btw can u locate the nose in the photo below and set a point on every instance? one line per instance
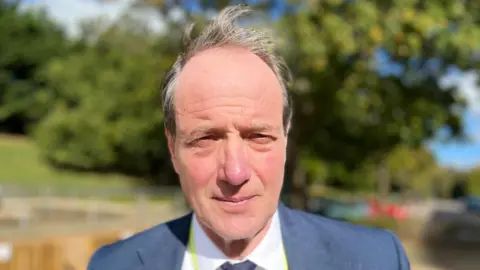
(236, 169)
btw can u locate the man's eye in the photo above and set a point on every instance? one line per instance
(260, 138)
(257, 135)
(206, 138)
(204, 141)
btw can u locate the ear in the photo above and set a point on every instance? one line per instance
(171, 149)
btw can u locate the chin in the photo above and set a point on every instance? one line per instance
(233, 234)
(238, 228)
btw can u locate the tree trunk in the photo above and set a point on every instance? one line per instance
(383, 180)
(295, 185)
(299, 189)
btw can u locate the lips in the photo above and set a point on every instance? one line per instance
(234, 199)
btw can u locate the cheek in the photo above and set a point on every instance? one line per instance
(274, 160)
(270, 166)
(197, 172)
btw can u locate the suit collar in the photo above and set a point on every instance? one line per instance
(167, 249)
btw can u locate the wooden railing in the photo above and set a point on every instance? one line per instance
(58, 253)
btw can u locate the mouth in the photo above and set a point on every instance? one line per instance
(234, 200)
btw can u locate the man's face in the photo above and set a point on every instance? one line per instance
(230, 147)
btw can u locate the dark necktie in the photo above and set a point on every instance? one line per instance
(246, 265)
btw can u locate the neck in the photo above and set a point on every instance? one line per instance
(238, 249)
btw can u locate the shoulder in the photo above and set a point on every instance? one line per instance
(123, 254)
(369, 246)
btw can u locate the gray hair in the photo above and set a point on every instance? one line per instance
(222, 31)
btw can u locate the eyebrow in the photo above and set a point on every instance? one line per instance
(203, 130)
(210, 129)
(261, 127)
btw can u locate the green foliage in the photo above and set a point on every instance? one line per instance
(412, 168)
(348, 113)
(27, 42)
(473, 177)
(106, 112)
(22, 167)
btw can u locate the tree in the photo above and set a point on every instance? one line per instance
(106, 112)
(473, 178)
(460, 188)
(349, 109)
(27, 41)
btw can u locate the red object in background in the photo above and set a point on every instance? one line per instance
(374, 208)
(390, 210)
(396, 211)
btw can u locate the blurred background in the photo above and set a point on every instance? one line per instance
(386, 129)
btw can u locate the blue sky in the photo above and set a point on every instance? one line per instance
(462, 156)
(458, 155)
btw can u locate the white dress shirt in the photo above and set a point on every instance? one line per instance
(268, 255)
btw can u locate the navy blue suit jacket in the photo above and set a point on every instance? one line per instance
(311, 243)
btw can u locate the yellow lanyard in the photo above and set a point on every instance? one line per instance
(196, 266)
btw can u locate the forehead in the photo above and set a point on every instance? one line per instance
(227, 87)
(230, 74)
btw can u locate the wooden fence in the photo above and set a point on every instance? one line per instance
(57, 253)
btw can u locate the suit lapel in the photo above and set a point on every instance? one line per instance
(168, 249)
(305, 247)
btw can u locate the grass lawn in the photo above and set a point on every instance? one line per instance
(20, 165)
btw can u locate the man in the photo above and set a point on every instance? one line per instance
(227, 117)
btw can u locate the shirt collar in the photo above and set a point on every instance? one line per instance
(269, 254)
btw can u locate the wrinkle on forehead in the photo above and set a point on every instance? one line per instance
(237, 104)
(223, 71)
